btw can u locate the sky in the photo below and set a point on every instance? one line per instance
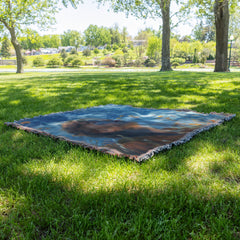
(88, 13)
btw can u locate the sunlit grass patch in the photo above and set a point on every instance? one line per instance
(53, 190)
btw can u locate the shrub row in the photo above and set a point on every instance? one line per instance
(76, 61)
(71, 61)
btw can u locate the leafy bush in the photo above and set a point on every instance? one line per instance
(138, 62)
(203, 59)
(63, 54)
(178, 60)
(76, 62)
(73, 61)
(109, 48)
(153, 49)
(126, 58)
(180, 54)
(97, 62)
(54, 62)
(68, 60)
(105, 52)
(150, 62)
(119, 60)
(38, 62)
(118, 52)
(125, 50)
(74, 51)
(86, 52)
(96, 50)
(115, 46)
(109, 61)
(175, 64)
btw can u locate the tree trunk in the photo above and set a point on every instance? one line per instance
(221, 12)
(17, 48)
(165, 8)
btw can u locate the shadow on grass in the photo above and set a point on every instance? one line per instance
(110, 198)
(43, 206)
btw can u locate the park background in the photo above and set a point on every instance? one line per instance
(93, 36)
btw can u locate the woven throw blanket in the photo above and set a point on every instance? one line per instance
(125, 131)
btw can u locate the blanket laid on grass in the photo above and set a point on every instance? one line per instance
(125, 131)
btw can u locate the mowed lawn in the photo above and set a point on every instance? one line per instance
(53, 190)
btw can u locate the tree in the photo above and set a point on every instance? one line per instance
(15, 15)
(51, 41)
(154, 48)
(5, 49)
(234, 25)
(31, 41)
(115, 35)
(205, 32)
(144, 9)
(124, 35)
(97, 36)
(72, 38)
(221, 10)
(144, 35)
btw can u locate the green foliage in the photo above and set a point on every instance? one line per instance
(205, 33)
(24, 60)
(51, 41)
(154, 48)
(54, 62)
(17, 14)
(119, 60)
(109, 47)
(178, 60)
(54, 190)
(126, 59)
(192, 50)
(73, 61)
(86, 52)
(74, 51)
(115, 47)
(68, 60)
(175, 64)
(97, 36)
(234, 25)
(115, 35)
(5, 49)
(31, 40)
(77, 62)
(109, 62)
(118, 52)
(38, 62)
(125, 50)
(145, 35)
(105, 51)
(96, 50)
(97, 62)
(71, 38)
(63, 54)
(150, 62)
(138, 62)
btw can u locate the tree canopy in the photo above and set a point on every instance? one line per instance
(17, 15)
(97, 36)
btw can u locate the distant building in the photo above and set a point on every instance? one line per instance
(82, 48)
(67, 48)
(48, 50)
(137, 43)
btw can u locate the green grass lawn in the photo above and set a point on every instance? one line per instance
(53, 190)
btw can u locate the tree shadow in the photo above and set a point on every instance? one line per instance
(162, 198)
